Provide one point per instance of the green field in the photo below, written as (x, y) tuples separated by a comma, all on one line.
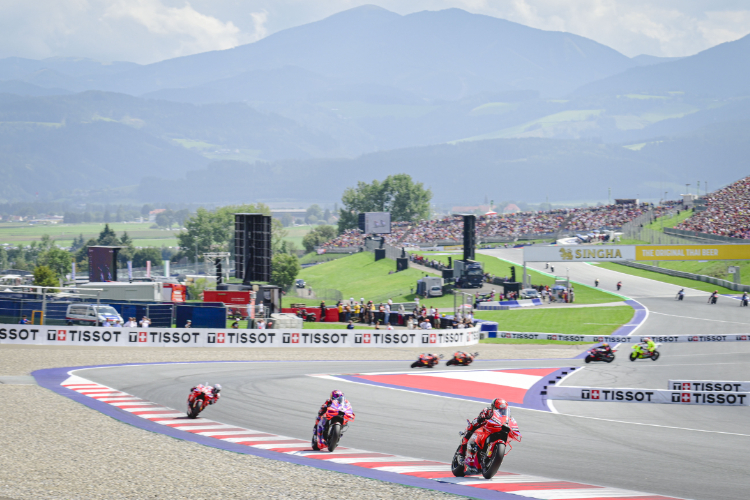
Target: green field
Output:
[(583, 294), (577, 321), (296, 233), (360, 276), (16, 233), (669, 222), (678, 282)]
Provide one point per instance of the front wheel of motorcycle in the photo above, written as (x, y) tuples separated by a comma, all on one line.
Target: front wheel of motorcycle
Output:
[(588, 359), (457, 467), (610, 359), (195, 409), (492, 464), (334, 436), (655, 356), (633, 356)]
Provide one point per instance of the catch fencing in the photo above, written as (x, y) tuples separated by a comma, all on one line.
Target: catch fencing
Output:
[(681, 274), (703, 236)]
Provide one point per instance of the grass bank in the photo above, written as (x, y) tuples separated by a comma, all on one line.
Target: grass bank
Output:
[(360, 276), (583, 294), (578, 321), (664, 278)]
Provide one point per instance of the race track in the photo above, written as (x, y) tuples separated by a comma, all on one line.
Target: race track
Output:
[(694, 452)]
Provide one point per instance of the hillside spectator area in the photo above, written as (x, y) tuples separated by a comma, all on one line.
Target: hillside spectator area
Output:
[(727, 212), (522, 224)]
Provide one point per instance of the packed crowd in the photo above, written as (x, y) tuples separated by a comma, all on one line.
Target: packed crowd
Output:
[(727, 213), (509, 226)]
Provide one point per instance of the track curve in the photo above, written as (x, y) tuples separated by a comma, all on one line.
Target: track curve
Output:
[(695, 452)]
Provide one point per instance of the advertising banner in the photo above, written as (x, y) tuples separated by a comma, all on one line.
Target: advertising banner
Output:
[(627, 395), (633, 339), (579, 253), (205, 337), (709, 386), (692, 252)]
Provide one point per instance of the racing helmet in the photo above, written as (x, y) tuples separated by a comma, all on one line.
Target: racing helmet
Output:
[(647, 339), (500, 406), (217, 388), (337, 396), (605, 344)]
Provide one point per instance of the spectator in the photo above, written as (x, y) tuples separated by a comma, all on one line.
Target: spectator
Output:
[(145, 322), (24, 320), (188, 324), (350, 326)]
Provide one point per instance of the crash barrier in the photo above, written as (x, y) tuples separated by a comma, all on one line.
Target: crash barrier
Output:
[(681, 274), (204, 337), (615, 339), (508, 304), (709, 385), (658, 396)]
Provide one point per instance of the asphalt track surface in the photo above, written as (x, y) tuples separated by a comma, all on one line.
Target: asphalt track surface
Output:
[(694, 452)]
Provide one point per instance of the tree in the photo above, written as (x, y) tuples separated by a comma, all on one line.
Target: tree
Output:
[(107, 237), (163, 220), (145, 254), (398, 194), (44, 276), (284, 270), (317, 236), (57, 260), (313, 213), (287, 220), (145, 210)]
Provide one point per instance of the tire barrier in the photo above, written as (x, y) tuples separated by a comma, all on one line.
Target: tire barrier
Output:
[(658, 396), (204, 337)]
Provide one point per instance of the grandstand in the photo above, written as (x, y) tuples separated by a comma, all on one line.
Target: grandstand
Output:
[(527, 225), (727, 212)]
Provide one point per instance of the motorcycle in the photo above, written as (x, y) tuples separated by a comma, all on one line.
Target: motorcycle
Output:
[(427, 361), (488, 445), (643, 354), (680, 296), (199, 398), (332, 425), (306, 316), (712, 299), (597, 355), (462, 361)]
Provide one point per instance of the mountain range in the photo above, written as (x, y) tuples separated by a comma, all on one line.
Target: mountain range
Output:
[(369, 91)]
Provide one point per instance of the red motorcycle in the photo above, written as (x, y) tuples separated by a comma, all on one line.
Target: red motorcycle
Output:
[(427, 361), (332, 425), (599, 355), (200, 397), (461, 359), (487, 447)]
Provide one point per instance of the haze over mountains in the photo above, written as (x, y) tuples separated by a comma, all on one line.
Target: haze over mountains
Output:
[(430, 93)]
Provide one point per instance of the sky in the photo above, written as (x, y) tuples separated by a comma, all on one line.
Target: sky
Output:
[(146, 31)]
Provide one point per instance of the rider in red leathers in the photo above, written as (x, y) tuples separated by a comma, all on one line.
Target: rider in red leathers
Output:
[(335, 396), (497, 405), (212, 393)]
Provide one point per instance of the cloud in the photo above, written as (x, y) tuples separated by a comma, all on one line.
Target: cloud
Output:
[(150, 30)]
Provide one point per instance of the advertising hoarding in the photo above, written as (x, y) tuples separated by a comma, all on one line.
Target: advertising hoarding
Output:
[(375, 222)]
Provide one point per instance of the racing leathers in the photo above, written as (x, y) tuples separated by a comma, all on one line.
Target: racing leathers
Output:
[(318, 429), (212, 395), (649, 346), (475, 424)]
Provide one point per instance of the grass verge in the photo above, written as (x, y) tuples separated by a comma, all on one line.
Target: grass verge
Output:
[(664, 278), (583, 294), (578, 321)]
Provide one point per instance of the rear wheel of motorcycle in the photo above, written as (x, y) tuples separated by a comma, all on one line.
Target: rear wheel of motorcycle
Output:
[(588, 359), (491, 466), (334, 436), (633, 356), (415, 364), (457, 468), (655, 356), (450, 362)]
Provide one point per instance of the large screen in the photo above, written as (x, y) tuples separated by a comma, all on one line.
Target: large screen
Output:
[(375, 222), (102, 264)]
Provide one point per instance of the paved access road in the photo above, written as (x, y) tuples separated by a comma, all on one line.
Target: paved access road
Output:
[(693, 452)]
